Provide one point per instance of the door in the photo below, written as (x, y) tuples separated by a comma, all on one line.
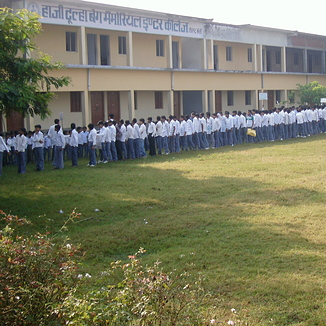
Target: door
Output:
[(175, 55), (218, 101), (97, 107), (114, 104), (270, 101), (15, 121), (177, 103), (215, 57)]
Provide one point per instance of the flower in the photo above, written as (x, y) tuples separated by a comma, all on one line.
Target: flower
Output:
[(213, 321), (233, 310), (68, 246), (87, 275), (231, 322)]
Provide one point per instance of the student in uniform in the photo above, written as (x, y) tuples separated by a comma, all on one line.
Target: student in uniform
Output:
[(38, 145), (3, 148), (151, 136), (130, 140), (113, 136), (159, 134), (20, 149), (143, 135), (74, 145), (60, 143), (92, 145)]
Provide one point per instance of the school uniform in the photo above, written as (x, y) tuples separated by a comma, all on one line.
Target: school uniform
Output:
[(177, 136), (38, 144), (143, 135), (151, 138), (189, 133), (60, 144), (74, 147), (102, 134), (113, 136), (165, 135), (20, 148), (183, 135), (130, 142), (3, 148), (91, 147), (158, 135), (196, 131), (47, 148), (80, 144)]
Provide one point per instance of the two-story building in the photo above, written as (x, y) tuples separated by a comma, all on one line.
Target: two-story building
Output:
[(137, 63)]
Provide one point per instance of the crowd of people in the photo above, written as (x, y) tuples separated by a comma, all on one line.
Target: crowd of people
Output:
[(111, 141)]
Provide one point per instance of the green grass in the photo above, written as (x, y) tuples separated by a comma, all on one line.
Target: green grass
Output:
[(251, 218)]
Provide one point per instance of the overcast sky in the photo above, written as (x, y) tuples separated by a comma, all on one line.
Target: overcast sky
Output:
[(302, 16)]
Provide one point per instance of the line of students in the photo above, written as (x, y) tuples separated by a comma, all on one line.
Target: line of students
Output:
[(130, 140)]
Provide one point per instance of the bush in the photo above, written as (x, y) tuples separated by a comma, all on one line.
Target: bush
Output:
[(36, 275), (145, 295)]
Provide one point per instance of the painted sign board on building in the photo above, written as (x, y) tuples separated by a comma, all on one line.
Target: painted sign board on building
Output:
[(263, 96), (54, 13)]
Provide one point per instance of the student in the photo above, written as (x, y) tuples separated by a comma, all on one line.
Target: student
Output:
[(74, 145), (165, 134), (143, 135), (158, 134), (189, 133), (3, 148), (52, 135), (151, 136), (130, 140), (47, 148), (107, 139), (60, 144), (20, 148), (177, 134), (92, 145), (80, 141), (183, 134), (136, 136), (85, 141), (113, 136), (38, 144)]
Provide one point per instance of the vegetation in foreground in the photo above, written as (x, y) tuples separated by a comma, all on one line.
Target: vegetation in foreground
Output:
[(250, 219)]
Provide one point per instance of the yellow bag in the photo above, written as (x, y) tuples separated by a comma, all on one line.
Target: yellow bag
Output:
[(251, 132)]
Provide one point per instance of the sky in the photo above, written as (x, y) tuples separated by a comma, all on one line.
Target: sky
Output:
[(303, 16)]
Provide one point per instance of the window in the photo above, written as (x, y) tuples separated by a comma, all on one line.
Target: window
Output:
[(160, 48), (249, 54), (158, 100), (75, 102), (91, 49), (296, 58), (229, 53), (122, 41), (278, 57), (247, 97), (317, 60), (105, 50), (230, 98), (71, 41)]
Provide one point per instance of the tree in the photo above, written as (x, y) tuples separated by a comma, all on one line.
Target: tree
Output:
[(24, 81), (311, 93)]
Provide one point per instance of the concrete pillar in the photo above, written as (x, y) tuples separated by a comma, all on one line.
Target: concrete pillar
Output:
[(256, 92), (261, 63), (213, 101), (105, 104), (130, 52), (170, 102), (205, 102), (169, 52), (254, 57), (204, 59), (131, 104), (86, 108), (283, 59), (305, 60), (83, 46)]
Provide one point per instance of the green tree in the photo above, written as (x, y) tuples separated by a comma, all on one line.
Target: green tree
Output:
[(311, 93), (24, 81)]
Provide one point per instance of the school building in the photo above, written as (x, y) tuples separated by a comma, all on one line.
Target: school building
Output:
[(138, 63)]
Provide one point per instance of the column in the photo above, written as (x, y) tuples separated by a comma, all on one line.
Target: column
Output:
[(284, 59), (131, 104), (256, 98), (211, 56), (169, 52), (83, 48), (204, 59), (205, 104), (213, 101), (305, 60), (170, 102), (254, 57), (86, 108), (105, 104), (261, 63), (130, 53)]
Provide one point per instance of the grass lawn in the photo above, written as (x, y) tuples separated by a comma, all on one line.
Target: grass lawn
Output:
[(250, 217)]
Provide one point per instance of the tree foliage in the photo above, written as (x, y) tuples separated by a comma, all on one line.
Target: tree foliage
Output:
[(25, 82), (311, 93)]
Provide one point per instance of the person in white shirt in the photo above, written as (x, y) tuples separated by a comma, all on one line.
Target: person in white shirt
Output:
[(165, 134), (300, 122), (130, 140), (74, 145), (243, 127), (159, 134), (196, 130), (113, 136), (60, 144), (38, 145), (177, 134), (210, 133), (80, 141), (52, 135), (183, 134), (203, 143), (228, 129), (143, 135), (264, 125), (136, 136), (47, 149), (216, 130), (102, 135), (85, 133), (20, 148), (92, 145), (151, 136), (189, 132), (171, 134), (3, 148)]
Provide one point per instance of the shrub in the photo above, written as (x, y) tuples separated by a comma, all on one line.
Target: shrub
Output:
[(36, 275)]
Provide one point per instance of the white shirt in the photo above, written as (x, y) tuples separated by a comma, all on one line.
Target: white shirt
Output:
[(142, 131), (21, 143), (74, 138), (165, 129), (159, 128), (92, 136), (152, 128), (189, 127), (37, 138), (3, 146)]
